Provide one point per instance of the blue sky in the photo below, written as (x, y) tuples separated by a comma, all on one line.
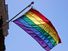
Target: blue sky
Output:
[(55, 10)]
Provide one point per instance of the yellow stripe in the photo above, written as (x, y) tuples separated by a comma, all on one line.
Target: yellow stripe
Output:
[(43, 25)]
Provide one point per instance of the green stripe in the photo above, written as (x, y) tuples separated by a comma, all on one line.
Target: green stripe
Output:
[(39, 29)]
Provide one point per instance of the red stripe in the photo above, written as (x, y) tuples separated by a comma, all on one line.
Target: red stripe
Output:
[(44, 19)]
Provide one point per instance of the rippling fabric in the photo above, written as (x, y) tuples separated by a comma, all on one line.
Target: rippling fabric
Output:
[(40, 28)]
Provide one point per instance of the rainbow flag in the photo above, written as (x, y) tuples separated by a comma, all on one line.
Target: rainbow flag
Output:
[(40, 28)]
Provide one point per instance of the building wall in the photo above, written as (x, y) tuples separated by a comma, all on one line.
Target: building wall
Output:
[(4, 15)]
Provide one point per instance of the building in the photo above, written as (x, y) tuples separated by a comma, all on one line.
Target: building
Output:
[(4, 15)]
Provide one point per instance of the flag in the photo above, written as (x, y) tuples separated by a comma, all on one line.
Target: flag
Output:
[(40, 28)]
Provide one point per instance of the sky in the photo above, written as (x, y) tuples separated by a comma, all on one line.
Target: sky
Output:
[(55, 10)]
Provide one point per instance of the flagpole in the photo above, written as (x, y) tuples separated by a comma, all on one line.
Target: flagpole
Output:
[(20, 12)]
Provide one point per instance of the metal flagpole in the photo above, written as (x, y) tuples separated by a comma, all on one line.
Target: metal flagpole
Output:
[(21, 11), (18, 13)]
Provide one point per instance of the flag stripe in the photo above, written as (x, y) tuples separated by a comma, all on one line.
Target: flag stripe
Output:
[(35, 28), (35, 36)]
